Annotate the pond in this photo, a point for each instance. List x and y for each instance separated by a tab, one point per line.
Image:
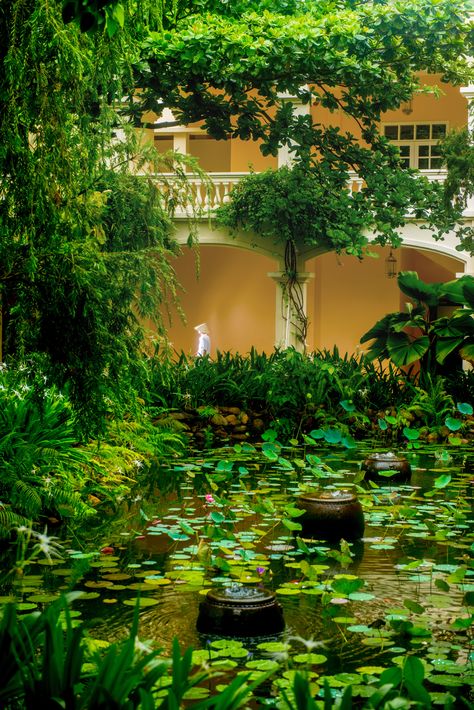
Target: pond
231	517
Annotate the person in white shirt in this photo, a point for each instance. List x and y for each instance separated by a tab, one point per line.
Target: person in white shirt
204	344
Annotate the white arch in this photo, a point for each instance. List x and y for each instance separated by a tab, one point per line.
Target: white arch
211	235
412	234
417	238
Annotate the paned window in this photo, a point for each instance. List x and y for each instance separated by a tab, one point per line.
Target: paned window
417	143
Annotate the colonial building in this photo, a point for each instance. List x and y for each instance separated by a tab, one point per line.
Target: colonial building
237	289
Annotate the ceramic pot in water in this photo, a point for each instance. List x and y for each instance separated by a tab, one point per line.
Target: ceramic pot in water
240	611
331	515
375	463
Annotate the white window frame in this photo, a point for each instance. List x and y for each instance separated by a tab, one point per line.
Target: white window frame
412	146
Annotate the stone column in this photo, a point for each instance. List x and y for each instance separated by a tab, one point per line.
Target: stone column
286	321
181	144
300	109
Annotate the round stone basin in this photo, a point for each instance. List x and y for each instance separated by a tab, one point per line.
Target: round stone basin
331	515
240	611
375	463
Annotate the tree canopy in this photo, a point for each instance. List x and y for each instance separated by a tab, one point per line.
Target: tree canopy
85	241
233	72
360	57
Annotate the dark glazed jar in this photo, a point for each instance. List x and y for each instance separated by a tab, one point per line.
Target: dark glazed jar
240	611
375	463
331	515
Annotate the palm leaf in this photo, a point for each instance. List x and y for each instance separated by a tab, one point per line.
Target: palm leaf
454	291
468	290
404	350
445	346
410	284
380	330
463	319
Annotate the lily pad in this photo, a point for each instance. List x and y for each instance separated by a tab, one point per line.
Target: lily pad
310	658
141	601
273	646
288	591
264	664
43	598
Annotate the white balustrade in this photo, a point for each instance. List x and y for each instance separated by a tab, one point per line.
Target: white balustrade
198	194
205	195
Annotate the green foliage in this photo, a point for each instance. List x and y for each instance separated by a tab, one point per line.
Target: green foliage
461	386
93	14
359	58
201	381
419	336
57	678
294	390
251	58
42	467
85	245
323	394
298	206
45	472
49	660
458	153
44	664
431	403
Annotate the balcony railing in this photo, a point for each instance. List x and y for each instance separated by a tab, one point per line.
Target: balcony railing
198	194
205	196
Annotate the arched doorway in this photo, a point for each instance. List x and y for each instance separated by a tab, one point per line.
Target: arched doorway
347	296
232	293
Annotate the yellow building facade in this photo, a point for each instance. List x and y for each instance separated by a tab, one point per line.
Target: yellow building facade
235	284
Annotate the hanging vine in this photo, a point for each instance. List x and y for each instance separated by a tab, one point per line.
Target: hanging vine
294	295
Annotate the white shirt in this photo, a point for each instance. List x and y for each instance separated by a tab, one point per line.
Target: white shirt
204	345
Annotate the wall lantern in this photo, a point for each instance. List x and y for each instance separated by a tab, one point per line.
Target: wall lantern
391	266
407	107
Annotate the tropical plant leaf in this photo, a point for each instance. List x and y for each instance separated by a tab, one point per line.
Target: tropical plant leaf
468	290
454	291
442	481
410	284
380	330
405	350
453	424
445	346
465	408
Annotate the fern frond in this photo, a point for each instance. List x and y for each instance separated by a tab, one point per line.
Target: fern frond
9	519
26	499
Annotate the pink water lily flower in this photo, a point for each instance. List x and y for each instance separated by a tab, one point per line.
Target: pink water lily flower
209	498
